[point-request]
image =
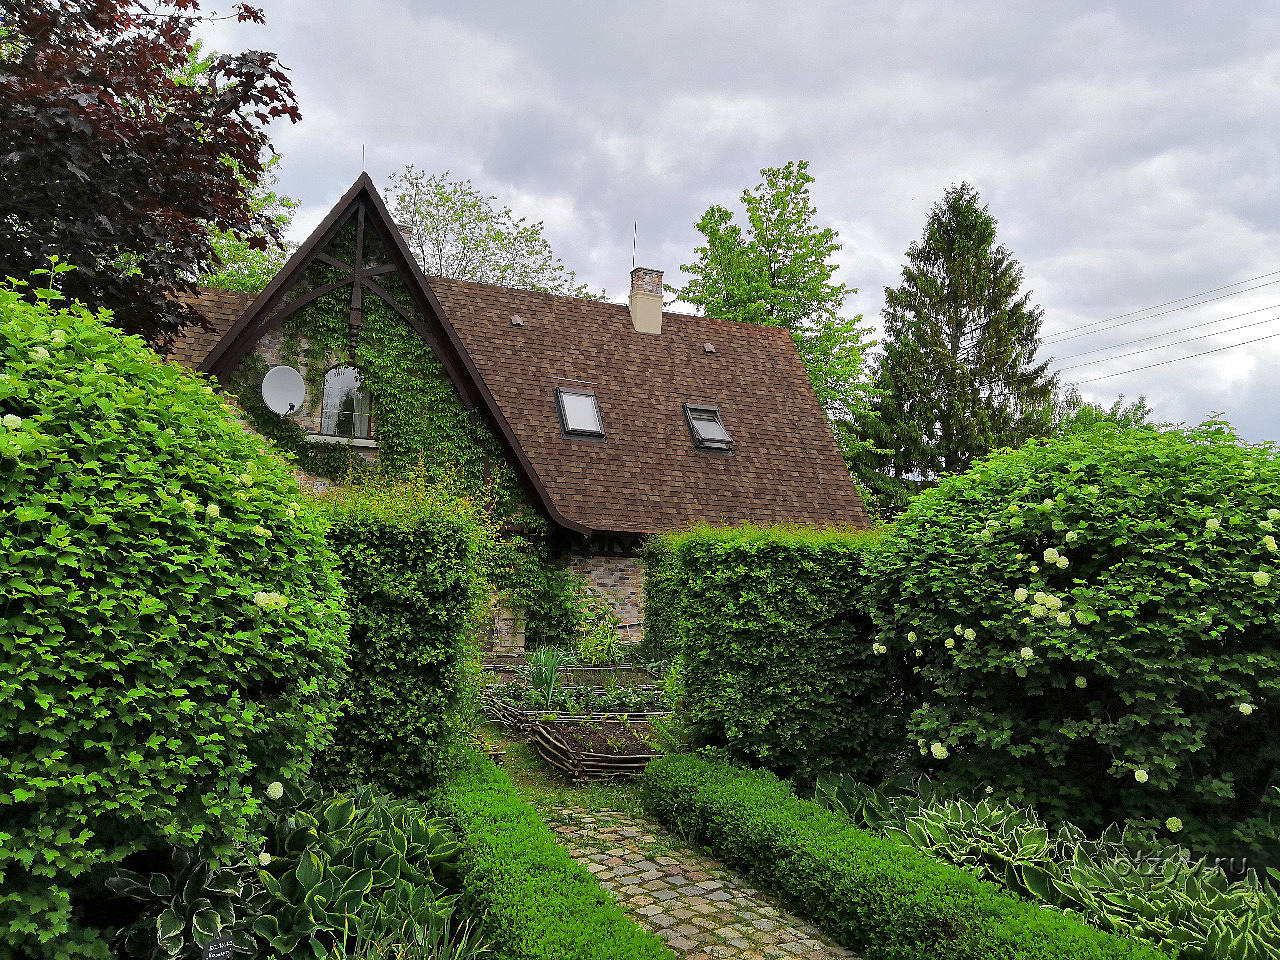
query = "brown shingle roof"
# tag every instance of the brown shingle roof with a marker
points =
(647, 475)
(221, 308)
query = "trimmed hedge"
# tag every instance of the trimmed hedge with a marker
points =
(780, 668)
(537, 902)
(877, 897)
(171, 628)
(409, 557)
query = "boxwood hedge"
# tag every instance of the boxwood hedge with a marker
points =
(536, 901)
(780, 667)
(879, 898)
(171, 627)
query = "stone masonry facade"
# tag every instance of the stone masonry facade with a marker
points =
(620, 580)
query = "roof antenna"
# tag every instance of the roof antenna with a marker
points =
(635, 229)
(362, 158)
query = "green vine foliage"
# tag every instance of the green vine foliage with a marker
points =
(423, 428)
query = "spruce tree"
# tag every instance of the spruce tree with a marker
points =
(958, 376)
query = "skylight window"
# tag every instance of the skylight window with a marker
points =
(705, 427)
(579, 413)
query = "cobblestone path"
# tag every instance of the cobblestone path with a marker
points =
(698, 906)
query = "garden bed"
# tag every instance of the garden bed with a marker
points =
(511, 667)
(520, 719)
(591, 749)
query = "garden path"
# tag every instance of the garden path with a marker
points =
(697, 905)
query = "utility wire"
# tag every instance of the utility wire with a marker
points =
(1167, 333)
(1190, 356)
(1176, 343)
(1167, 303)
(1088, 328)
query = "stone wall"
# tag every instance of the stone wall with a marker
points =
(620, 579)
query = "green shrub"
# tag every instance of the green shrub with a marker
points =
(408, 554)
(660, 636)
(171, 628)
(1090, 625)
(779, 667)
(538, 903)
(1124, 882)
(337, 871)
(879, 898)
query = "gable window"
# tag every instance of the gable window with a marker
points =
(579, 413)
(705, 427)
(344, 411)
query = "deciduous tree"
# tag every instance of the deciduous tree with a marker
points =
(779, 271)
(457, 231)
(120, 158)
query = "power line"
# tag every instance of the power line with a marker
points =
(1085, 331)
(1167, 333)
(1156, 306)
(1176, 343)
(1190, 356)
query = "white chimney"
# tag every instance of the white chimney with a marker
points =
(646, 300)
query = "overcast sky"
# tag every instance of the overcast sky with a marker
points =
(1128, 151)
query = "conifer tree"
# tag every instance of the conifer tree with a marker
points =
(958, 376)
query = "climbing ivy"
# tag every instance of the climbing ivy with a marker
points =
(422, 426)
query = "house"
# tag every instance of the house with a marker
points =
(616, 421)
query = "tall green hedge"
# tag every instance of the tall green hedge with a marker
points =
(171, 627)
(409, 557)
(536, 902)
(884, 900)
(780, 665)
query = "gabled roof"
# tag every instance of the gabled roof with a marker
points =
(646, 475)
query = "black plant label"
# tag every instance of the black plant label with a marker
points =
(220, 949)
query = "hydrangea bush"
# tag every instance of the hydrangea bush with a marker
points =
(1091, 625)
(171, 629)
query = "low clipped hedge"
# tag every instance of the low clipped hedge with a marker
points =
(780, 666)
(536, 901)
(172, 630)
(879, 898)
(409, 557)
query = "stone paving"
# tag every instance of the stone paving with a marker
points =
(698, 906)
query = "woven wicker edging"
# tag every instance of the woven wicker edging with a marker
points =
(581, 765)
(515, 718)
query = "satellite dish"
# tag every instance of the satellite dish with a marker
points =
(283, 390)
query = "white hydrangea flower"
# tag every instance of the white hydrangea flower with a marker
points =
(1140, 775)
(1273, 514)
(1072, 536)
(1064, 619)
(12, 421)
(1270, 543)
(939, 751)
(959, 629)
(1173, 824)
(1081, 682)
(1052, 602)
(213, 510)
(1213, 523)
(1020, 594)
(40, 353)
(1039, 610)
(291, 513)
(261, 531)
(1262, 578)
(911, 636)
(919, 652)
(190, 506)
(275, 790)
(269, 600)
(988, 790)
(244, 480)
(1062, 563)
(1035, 568)
(969, 634)
(949, 643)
(1014, 508)
(879, 648)
(264, 859)
(924, 751)
(1245, 708)
(1026, 653)
(1266, 525)
(1051, 555)
(58, 336)
(1048, 501)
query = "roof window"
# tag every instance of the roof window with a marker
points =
(579, 413)
(705, 427)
